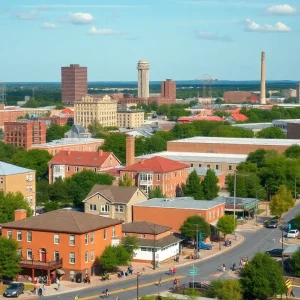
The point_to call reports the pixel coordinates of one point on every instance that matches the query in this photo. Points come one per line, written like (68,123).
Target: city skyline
(181,39)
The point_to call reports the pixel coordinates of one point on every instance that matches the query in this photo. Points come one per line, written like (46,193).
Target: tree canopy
(295,263)
(130,243)
(191,224)
(210,185)
(56,132)
(227,289)
(193,187)
(293,152)
(226,224)
(156,193)
(271,133)
(125,181)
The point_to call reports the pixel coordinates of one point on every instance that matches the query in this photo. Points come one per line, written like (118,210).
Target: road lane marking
(133,287)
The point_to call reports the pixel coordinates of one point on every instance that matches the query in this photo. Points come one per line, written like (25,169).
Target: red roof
(239,117)
(156,164)
(67,111)
(207,118)
(80,158)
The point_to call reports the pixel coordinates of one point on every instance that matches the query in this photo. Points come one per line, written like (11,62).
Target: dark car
(275,252)
(272,224)
(14,290)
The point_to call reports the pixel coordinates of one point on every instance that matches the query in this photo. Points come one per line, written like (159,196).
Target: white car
(293,233)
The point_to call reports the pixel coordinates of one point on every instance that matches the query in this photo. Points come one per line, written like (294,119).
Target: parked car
(275,252)
(14,290)
(293,233)
(272,224)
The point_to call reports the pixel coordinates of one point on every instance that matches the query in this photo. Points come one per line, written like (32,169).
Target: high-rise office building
(168,89)
(73,83)
(143,79)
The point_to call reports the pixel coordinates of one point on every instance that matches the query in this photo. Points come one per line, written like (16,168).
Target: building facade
(168,89)
(289,93)
(73,83)
(143,78)
(16,179)
(66,163)
(62,241)
(113,201)
(237,96)
(89,109)
(25,133)
(128,118)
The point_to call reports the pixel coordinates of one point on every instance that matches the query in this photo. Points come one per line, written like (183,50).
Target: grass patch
(260,211)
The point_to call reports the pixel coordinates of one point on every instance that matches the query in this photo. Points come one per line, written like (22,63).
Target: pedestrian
(40,292)
(106,293)
(224,267)
(171,270)
(58,283)
(43,290)
(274,240)
(174,283)
(76,297)
(233,266)
(159,281)
(174,271)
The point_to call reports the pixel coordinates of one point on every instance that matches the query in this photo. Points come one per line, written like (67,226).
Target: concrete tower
(263,79)
(143,78)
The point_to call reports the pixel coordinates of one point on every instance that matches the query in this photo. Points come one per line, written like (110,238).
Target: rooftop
(68,141)
(240,141)
(201,157)
(8,169)
(181,202)
(63,220)
(156,164)
(201,171)
(239,117)
(144,228)
(253,126)
(116,194)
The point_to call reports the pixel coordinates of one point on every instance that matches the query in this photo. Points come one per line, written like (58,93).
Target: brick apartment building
(178,209)
(130,118)
(237,96)
(73,83)
(61,242)
(66,163)
(168,89)
(24,133)
(16,179)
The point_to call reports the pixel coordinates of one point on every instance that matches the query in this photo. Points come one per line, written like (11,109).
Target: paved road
(260,240)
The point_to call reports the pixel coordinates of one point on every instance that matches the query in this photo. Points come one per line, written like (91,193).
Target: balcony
(36,264)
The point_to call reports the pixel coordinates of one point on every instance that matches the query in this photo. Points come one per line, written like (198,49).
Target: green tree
(182,131)
(114,256)
(271,133)
(156,193)
(80,184)
(33,159)
(163,109)
(226,224)
(7,151)
(50,205)
(210,185)
(193,187)
(130,243)
(230,131)
(293,152)
(190,225)
(227,289)
(257,157)
(58,192)
(219,101)
(95,128)
(297,221)
(56,132)
(116,143)
(9,258)
(125,181)
(281,202)
(295,263)
(42,191)
(155,144)
(9,203)
(261,278)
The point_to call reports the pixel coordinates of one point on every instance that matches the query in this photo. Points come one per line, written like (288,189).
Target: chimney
(100,152)
(20,214)
(69,152)
(263,79)
(130,151)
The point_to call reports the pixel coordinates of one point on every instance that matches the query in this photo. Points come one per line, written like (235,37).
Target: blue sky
(182,39)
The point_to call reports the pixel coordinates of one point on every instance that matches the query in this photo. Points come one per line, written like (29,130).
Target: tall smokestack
(130,152)
(263,79)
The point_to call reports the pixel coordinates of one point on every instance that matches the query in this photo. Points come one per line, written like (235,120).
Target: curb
(289,244)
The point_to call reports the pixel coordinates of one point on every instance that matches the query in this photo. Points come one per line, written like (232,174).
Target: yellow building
(16,179)
(104,110)
(130,118)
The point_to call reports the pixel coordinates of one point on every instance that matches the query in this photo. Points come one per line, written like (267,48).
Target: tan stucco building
(16,179)
(128,118)
(89,109)
(113,201)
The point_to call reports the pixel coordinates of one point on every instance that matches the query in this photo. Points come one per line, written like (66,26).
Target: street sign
(193,272)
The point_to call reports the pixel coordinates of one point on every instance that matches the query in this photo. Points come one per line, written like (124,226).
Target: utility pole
(154,250)
(234,196)
(137,285)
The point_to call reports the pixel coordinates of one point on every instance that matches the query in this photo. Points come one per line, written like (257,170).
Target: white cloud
(206,35)
(79,18)
(277,27)
(283,9)
(32,15)
(103,31)
(49,25)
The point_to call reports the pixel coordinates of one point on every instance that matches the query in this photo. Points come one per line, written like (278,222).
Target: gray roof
(181,202)
(201,171)
(8,169)
(253,126)
(199,157)
(143,227)
(290,250)
(67,141)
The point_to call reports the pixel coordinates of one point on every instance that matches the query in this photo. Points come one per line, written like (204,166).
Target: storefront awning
(60,272)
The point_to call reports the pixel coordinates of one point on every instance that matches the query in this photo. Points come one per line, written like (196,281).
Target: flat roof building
(130,118)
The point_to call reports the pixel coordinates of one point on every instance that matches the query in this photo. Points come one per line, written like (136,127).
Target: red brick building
(73,83)
(25,133)
(66,163)
(237,96)
(168,89)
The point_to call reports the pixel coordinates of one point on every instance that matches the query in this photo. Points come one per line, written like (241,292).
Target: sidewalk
(67,286)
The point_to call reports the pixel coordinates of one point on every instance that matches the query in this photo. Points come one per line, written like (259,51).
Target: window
(68,168)
(72,258)
(208,166)
(29,254)
(86,257)
(92,207)
(119,208)
(92,237)
(20,251)
(105,208)
(27,188)
(92,255)
(9,234)
(217,167)
(30,177)
(1,180)
(230,168)
(95,170)
(56,255)
(200,165)
(86,239)
(104,234)
(76,169)
(72,240)
(143,236)
(158,177)
(56,238)
(192,165)
(114,231)
(19,235)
